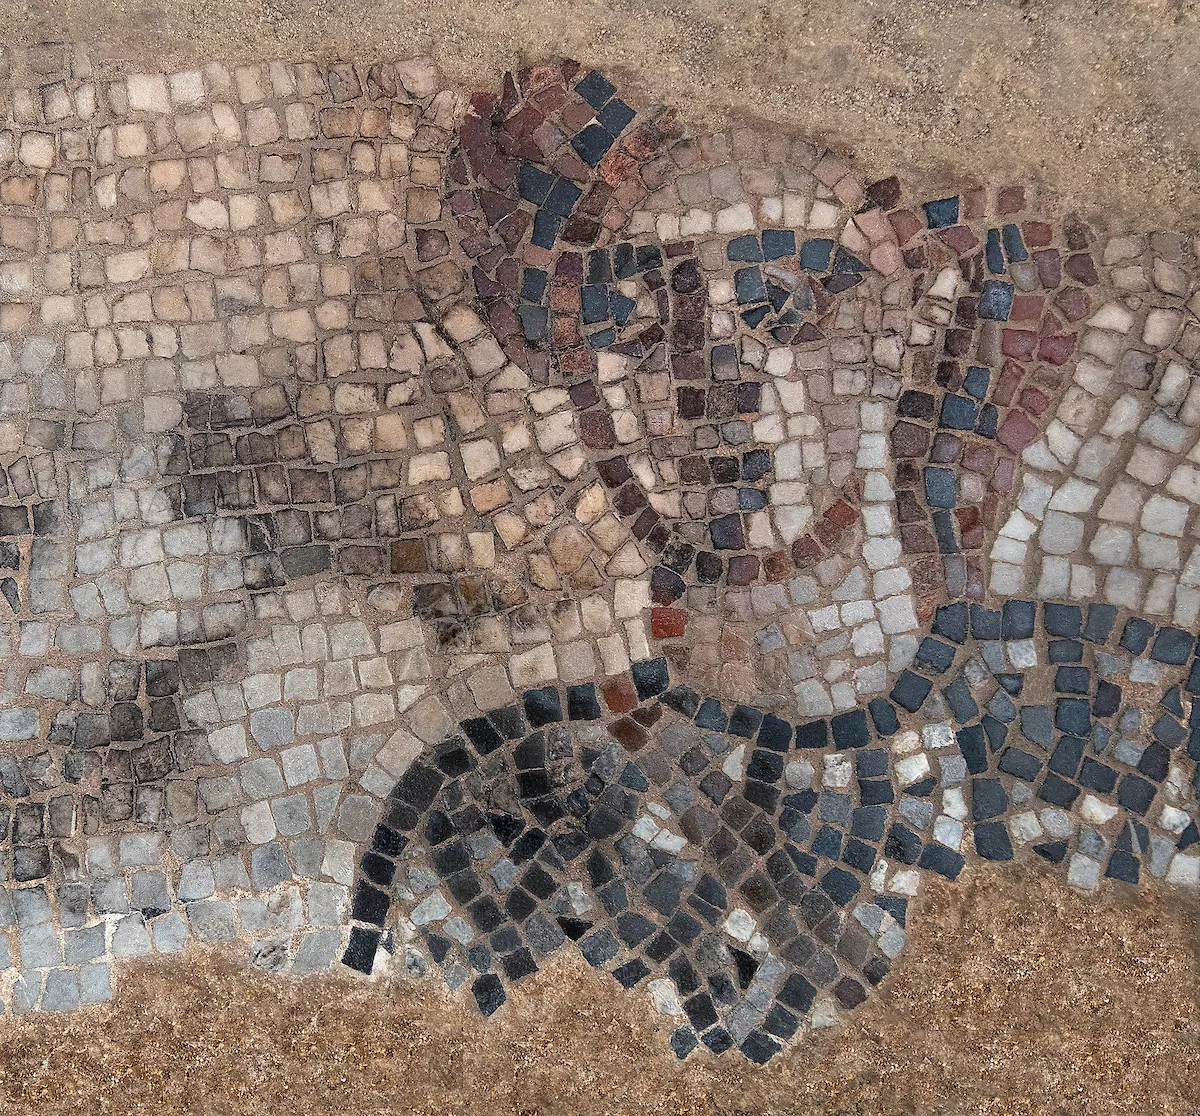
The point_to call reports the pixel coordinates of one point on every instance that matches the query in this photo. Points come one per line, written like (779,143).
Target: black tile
(937,858)
(489,993)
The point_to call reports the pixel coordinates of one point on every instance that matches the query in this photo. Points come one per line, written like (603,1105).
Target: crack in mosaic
(440,530)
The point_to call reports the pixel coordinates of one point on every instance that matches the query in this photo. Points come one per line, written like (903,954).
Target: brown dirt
(1019,997)
(1098,99)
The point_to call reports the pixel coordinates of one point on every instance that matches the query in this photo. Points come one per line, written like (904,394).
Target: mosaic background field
(443,528)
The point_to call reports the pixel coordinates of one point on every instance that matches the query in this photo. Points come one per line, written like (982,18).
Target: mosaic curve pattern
(441,530)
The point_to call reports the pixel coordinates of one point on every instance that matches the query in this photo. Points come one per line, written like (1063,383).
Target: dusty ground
(1100,99)
(1019,998)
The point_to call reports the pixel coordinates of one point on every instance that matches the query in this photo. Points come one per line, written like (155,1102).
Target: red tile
(1006,386)
(1057,348)
(619,694)
(1034,401)
(1017,431)
(842,514)
(1018,343)
(1012,200)
(960,238)
(1027,308)
(906,224)
(1049,268)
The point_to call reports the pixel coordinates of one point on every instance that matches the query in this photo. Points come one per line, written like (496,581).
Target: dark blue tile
(1019,764)
(599,266)
(1018,619)
(902,844)
(594,304)
(996,301)
(972,743)
(1057,791)
(962,704)
(774,733)
(1107,699)
(582,703)
(875,792)
(778,243)
(534,322)
(1100,620)
(1014,246)
(941,213)
(718,1040)
(814,734)
(543,707)
(1065,759)
(533,184)
(850,730)
(1136,635)
(360,951)
(950,621)
(995,257)
(489,993)
(977,379)
(592,144)
(595,88)
(648,256)
(749,286)
(846,263)
(615,117)
(650,678)
(1173,646)
(985,622)
(1123,866)
(1073,680)
(1169,732)
(744,249)
(621,307)
(533,284)
(711,716)
(884,716)
(1053,851)
(939,487)
(562,197)
(934,655)
(1156,759)
(988,799)
(1062,620)
(840,886)
(545,229)
(1097,776)
(958,413)
(815,254)
(868,823)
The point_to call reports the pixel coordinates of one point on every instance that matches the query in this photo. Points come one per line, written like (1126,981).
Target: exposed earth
(1097,100)
(1018,990)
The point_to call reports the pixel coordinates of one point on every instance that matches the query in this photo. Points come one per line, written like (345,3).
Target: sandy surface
(1020,997)
(1098,99)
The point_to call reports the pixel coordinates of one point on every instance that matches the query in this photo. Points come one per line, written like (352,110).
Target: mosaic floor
(440,530)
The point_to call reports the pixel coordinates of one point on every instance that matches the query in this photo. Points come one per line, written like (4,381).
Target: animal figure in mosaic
(737,892)
(657,543)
